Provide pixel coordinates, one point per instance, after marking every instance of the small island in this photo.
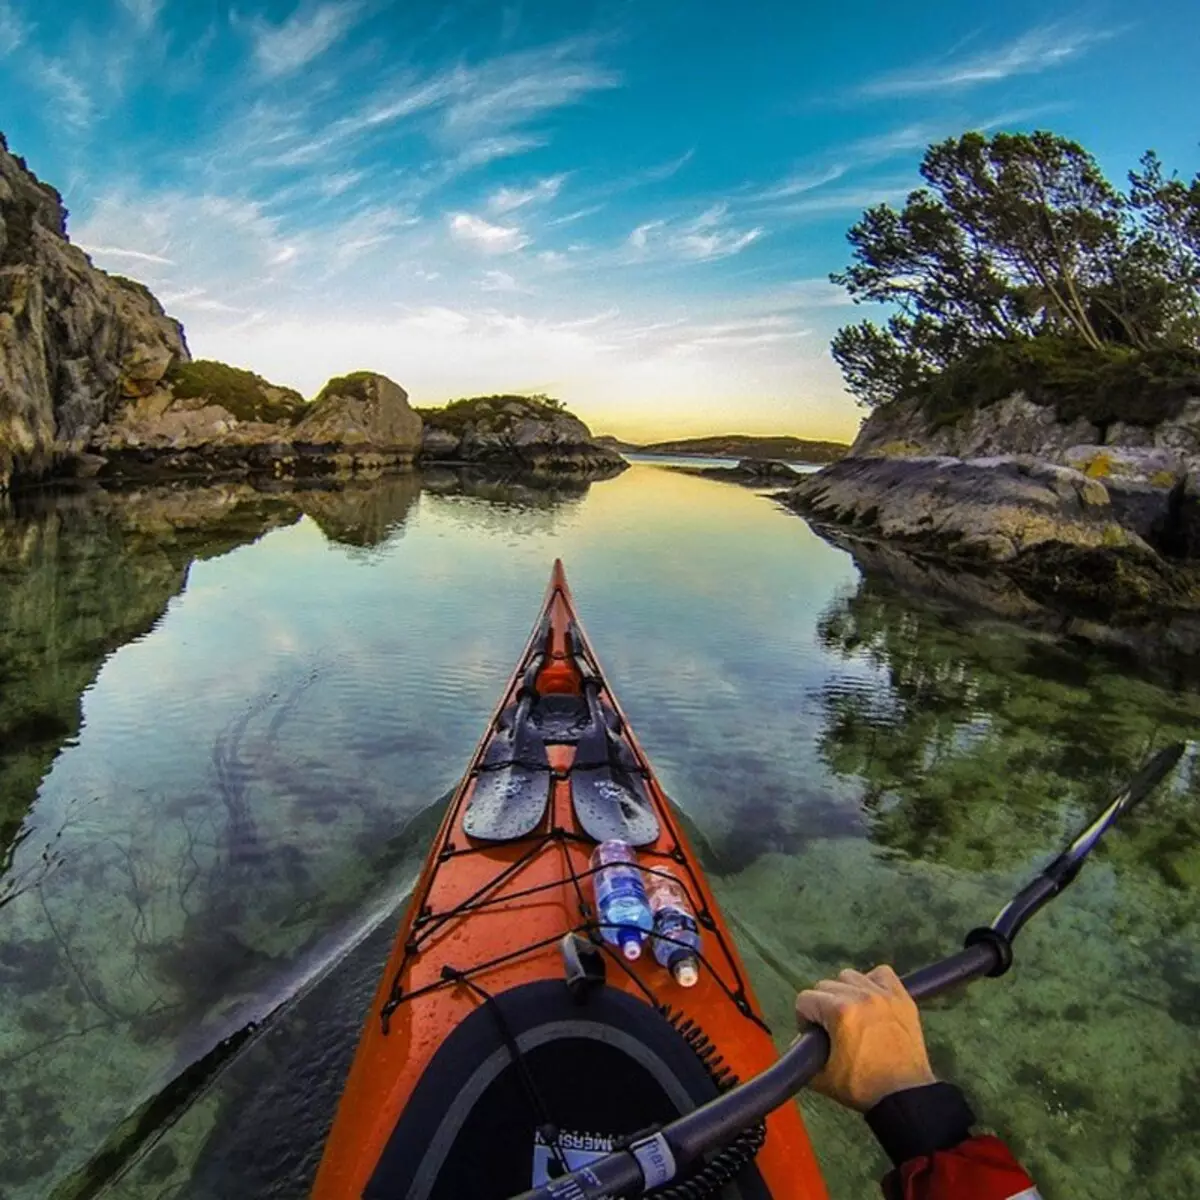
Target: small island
(739, 446)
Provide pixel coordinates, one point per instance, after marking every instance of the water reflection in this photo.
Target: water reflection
(234, 796)
(985, 734)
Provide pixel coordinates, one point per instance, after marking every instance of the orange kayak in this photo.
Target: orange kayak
(509, 1040)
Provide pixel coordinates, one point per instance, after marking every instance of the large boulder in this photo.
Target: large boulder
(990, 509)
(362, 412)
(75, 343)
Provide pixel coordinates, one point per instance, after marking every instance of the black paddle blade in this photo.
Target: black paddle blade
(607, 790)
(611, 804)
(1063, 870)
(512, 788)
(507, 803)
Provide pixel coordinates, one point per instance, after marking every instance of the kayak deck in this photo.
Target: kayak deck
(488, 917)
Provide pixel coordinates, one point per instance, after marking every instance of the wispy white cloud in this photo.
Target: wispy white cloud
(663, 171)
(578, 215)
(490, 149)
(142, 256)
(500, 281)
(197, 299)
(492, 239)
(12, 29)
(367, 231)
(847, 199)
(639, 239)
(516, 88)
(507, 199)
(704, 238)
(1040, 49)
(339, 182)
(303, 37)
(803, 181)
(73, 102)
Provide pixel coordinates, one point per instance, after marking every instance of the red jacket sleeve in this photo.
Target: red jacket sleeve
(980, 1168)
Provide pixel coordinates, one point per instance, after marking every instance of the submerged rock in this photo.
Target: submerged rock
(753, 472)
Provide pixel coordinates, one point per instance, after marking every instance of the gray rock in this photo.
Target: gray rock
(767, 470)
(990, 509)
(516, 433)
(75, 342)
(1012, 426)
(1177, 435)
(365, 411)
(438, 444)
(1153, 465)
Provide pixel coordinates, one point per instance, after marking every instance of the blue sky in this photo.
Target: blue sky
(634, 206)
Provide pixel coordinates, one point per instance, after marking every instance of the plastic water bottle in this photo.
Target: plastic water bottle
(621, 905)
(676, 937)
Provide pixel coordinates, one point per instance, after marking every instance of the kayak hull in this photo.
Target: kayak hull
(487, 918)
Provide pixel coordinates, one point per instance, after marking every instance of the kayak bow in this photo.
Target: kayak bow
(508, 1042)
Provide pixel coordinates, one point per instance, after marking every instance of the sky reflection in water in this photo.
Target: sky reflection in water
(870, 775)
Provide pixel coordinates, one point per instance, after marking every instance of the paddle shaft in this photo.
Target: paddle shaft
(692, 1136)
(659, 1157)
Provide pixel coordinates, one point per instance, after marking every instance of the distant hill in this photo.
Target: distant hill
(606, 439)
(740, 445)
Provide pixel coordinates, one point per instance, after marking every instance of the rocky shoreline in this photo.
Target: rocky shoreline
(1110, 526)
(96, 380)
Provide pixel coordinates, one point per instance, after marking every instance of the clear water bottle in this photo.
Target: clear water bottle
(676, 937)
(621, 905)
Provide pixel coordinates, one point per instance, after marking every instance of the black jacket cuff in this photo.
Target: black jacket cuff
(918, 1121)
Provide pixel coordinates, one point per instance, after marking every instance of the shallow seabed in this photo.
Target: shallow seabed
(226, 717)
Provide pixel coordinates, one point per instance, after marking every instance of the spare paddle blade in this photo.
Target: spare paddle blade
(507, 803)
(512, 788)
(607, 790)
(612, 805)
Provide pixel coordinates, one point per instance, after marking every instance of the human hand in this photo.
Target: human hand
(875, 1031)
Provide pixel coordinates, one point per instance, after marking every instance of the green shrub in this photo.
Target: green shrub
(352, 385)
(247, 396)
(1117, 383)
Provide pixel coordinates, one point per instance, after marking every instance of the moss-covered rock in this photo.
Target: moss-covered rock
(364, 411)
(243, 394)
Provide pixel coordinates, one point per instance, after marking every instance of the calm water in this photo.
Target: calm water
(227, 720)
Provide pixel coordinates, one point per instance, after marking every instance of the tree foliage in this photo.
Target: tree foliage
(1014, 238)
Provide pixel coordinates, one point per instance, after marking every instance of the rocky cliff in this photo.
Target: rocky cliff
(76, 344)
(515, 431)
(1016, 425)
